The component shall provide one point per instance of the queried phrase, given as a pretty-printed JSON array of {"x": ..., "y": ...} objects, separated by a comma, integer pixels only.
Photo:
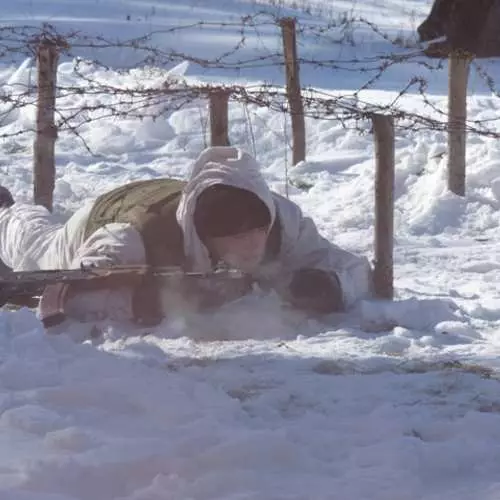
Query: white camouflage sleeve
[
  {"x": 113, "y": 244},
  {"x": 303, "y": 247}
]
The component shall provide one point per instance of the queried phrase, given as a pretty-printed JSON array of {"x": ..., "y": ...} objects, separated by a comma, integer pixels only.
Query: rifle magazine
[{"x": 52, "y": 304}]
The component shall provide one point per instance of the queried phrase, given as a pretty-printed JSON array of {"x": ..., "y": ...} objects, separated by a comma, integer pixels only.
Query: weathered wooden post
[
  {"x": 288, "y": 29},
  {"x": 470, "y": 30},
  {"x": 458, "y": 76},
  {"x": 219, "y": 127},
  {"x": 383, "y": 129},
  {"x": 46, "y": 131}
]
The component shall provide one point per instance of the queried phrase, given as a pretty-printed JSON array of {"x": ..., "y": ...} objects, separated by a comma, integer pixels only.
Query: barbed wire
[{"x": 128, "y": 97}]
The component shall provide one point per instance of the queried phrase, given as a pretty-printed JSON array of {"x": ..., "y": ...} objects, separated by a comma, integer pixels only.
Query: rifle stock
[{"x": 51, "y": 288}]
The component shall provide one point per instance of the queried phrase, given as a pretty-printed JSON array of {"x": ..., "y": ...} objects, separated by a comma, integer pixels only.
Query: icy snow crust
[{"x": 391, "y": 401}]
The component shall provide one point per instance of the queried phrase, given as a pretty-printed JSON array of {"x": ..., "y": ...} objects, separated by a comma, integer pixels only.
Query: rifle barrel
[{"x": 23, "y": 286}]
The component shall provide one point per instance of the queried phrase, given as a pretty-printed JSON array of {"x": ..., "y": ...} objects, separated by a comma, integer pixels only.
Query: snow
[{"x": 394, "y": 400}]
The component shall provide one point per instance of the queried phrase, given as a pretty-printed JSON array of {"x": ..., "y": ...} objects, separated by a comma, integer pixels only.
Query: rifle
[{"x": 50, "y": 289}]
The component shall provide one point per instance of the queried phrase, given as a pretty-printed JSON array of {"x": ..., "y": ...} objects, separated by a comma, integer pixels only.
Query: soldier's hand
[{"x": 316, "y": 291}]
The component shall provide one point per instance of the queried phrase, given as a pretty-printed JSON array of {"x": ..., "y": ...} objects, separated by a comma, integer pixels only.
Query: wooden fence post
[
  {"x": 46, "y": 131},
  {"x": 293, "y": 90},
  {"x": 459, "y": 65},
  {"x": 219, "y": 128},
  {"x": 383, "y": 129}
]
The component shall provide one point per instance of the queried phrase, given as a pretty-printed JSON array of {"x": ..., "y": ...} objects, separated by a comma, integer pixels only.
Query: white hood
[{"x": 230, "y": 166}]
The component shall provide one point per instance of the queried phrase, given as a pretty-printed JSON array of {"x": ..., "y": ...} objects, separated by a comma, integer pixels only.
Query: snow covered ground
[{"x": 391, "y": 401}]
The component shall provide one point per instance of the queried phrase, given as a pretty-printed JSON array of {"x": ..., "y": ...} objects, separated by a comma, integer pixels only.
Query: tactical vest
[{"x": 150, "y": 206}]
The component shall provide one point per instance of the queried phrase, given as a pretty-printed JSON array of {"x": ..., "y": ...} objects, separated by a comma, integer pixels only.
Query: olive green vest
[{"x": 150, "y": 206}]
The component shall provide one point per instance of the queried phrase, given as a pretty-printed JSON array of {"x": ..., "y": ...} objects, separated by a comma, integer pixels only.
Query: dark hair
[{"x": 226, "y": 210}]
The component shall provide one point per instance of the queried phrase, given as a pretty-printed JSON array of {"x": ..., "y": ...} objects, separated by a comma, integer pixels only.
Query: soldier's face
[{"x": 243, "y": 251}]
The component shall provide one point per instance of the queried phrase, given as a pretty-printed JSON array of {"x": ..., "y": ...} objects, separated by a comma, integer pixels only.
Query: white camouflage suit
[{"x": 31, "y": 240}]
